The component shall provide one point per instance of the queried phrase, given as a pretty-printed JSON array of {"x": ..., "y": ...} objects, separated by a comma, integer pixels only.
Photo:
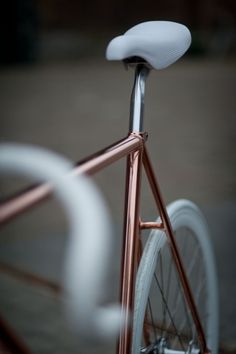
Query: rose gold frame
[{"x": 132, "y": 147}]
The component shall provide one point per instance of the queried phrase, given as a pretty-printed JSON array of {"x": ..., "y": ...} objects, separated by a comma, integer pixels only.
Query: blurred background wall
[
  {"x": 57, "y": 91},
  {"x": 30, "y": 27}
]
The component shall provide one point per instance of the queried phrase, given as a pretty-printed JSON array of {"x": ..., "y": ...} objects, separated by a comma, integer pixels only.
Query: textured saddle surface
[{"x": 160, "y": 43}]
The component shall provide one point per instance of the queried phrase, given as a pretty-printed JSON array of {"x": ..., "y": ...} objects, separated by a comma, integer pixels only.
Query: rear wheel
[{"x": 162, "y": 321}]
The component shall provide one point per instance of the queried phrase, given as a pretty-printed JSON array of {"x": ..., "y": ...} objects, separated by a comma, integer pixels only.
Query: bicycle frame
[{"x": 133, "y": 147}]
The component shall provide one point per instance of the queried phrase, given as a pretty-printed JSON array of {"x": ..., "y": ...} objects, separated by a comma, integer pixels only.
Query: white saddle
[{"x": 160, "y": 43}]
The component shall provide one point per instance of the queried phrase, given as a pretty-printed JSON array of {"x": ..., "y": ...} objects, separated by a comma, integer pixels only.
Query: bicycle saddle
[{"x": 160, "y": 43}]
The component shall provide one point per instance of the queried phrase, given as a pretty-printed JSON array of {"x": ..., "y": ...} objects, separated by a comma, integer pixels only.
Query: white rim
[{"x": 181, "y": 213}]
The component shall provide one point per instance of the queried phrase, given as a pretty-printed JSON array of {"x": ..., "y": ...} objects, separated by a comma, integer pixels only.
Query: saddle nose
[{"x": 160, "y": 43}]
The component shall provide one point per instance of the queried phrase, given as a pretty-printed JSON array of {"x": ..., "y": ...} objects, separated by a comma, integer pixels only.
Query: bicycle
[{"x": 171, "y": 291}]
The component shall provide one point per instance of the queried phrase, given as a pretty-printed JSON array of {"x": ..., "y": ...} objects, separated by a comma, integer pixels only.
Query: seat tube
[
  {"x": 130, "y": 247},
  {"x": 137, "y": 98},
  {"x": 131, "y": 211}
]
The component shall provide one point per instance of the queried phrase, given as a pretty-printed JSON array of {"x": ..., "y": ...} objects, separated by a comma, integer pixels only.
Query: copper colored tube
[
  {"x": 11, "y": 341},
  {"x": 130, "y": 246},
  {"x": 23, "y": 201},
  {"x": 174, "y": 249},
  {"x": 30, "y": 278},
  {"x": 32, "y": 196},
  {"x": 150, "y": 225},
  {"x": 109, "y": 155}
]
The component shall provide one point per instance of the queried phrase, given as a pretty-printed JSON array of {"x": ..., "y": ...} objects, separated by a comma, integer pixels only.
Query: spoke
[
  {"x": 184, "y": 301},
  {"x": 187, "y": 315},
  {"x": 168, "y": 283},
  {"x": 191, "y": 266},
  {"x": 176, "y": 324},
  {"x": 181, "y": 299},
  {"x": 186, "y": 245},
  {"x": 152, "y": 320},
  {"x": 177, "y": 296},
  {"x": 171, "y": 331},
  {"x": 162, "y": 286},
  {"x": 168, "y": 310},
  {"x": 180, "y": 295},
  {"x": 197, "y": 293}
]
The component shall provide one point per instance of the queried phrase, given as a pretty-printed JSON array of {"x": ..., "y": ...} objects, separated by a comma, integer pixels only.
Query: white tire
[{"x": 158, "y": 295}]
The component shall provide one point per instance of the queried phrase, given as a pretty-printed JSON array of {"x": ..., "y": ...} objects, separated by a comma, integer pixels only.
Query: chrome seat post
[{"x": 137, "y": 98}]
